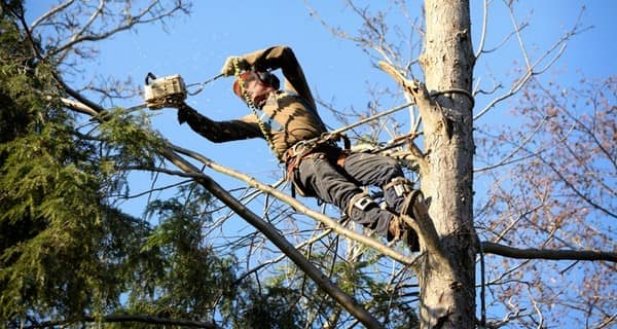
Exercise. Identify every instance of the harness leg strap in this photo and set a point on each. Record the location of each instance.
(401, 186)
(361, 201)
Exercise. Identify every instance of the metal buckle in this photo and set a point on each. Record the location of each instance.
(400, 185)
(363, 203)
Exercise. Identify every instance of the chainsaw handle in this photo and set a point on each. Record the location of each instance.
(150, 76)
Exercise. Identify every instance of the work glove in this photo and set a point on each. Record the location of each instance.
(233, 65)
(183, 114)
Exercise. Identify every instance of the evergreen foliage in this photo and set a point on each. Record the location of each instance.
(65, 253)
(41, 182)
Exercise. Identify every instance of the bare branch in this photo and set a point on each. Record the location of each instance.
(84, 29)
(506, 39)
(519, 38)
(502, 250)
(280, 258)
(606, 322)
(79, 107)
(577, 191)
(414, 88)
(86, 34)
(532, 70)
(536, 308)
(506, 159)
(51, 13)
(86, 104)
(371, 118)
(484, 29)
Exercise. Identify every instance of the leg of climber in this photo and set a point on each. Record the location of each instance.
(372, 169)
(318, 177)
(385, 172)
(404, 199)
(400, 195)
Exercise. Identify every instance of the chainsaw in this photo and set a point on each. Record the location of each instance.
(164, 92)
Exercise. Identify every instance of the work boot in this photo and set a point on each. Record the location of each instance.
(413, 201)
(411, 207)
(411, 239)
(398, 230)
(395, 228)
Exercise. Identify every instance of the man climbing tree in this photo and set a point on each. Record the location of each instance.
(288, 120)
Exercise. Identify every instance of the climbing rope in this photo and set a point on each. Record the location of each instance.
(460, 91)
(434, 95)
(202, 84)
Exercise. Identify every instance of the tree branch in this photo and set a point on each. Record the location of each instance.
(128, 318)
(502, 250)
(129, 21)
(415, 89)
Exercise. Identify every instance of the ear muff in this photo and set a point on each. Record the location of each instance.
(269, 78)
(265, 77)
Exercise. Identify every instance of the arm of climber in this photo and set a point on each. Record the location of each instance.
(219, 131)
(284, 58)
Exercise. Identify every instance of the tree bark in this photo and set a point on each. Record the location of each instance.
(447, 277)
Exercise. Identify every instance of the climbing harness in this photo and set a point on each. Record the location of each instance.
(401, 186)
(361, 201)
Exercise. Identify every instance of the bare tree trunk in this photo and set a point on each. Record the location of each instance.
(447, 278)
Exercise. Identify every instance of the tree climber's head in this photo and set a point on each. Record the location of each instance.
(255, 86)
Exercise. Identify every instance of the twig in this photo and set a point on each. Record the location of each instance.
(280, 258)
(506, 158)
(50, 13)
(531, 68)
(484, 29)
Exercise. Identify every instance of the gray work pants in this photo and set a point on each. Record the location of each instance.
(320, 176)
